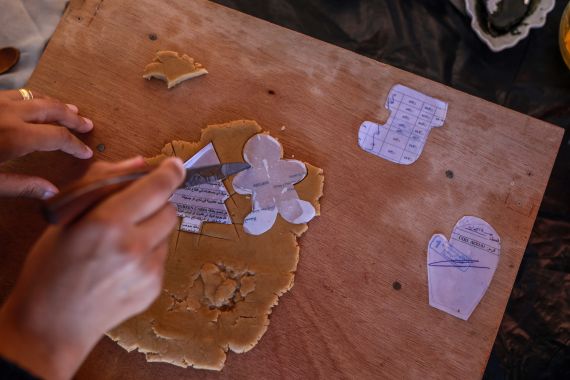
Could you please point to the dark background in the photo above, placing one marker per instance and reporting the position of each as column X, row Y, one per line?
column 434, row 39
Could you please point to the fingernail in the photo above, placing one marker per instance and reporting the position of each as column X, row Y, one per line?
column 73, row 108
column 178, row 163
column 89, row 151
column 48, row 194
column 88, row 122
column 137, row 160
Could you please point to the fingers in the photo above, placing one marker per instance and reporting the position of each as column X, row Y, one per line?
column 155, row 260
column 47, row 111
column 153, row 269
column 147, row 195
column 15, row 95
column 156, row 229
column 17, row 185
column 103, row 168
column 46, row 137
column 29, row 126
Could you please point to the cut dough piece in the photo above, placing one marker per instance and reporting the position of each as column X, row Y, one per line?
column 173, row 68
column 219, row 288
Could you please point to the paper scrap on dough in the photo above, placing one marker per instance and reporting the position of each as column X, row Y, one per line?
column 270, row 181
column 205, row 202
column 460, row 270
column 403, row 137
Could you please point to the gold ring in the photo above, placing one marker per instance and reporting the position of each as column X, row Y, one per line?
column 26, row 94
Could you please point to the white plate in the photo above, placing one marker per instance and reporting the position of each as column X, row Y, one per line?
column 534, row 20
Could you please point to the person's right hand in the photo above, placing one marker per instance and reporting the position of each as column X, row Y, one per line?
column 83, row 279
column 41, row 124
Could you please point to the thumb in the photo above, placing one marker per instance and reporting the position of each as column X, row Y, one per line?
column 23, row 186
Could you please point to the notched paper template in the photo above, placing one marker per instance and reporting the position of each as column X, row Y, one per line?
column 270, row 182
column 205, row 202
column 403, row 137
column 461, row 269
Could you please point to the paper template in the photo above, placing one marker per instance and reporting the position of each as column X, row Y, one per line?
column 270, row 182
column 205, row 202
column 461, row 269
column 403, row 137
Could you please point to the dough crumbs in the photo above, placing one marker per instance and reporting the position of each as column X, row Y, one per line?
column 220, row 286
column 173, row 68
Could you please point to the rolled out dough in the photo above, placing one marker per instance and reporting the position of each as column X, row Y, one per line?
column 219, row 286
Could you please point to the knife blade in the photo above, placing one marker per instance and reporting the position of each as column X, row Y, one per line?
column 69, row 204
column 212, row 174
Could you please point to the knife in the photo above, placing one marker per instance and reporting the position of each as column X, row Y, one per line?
column 69, row 204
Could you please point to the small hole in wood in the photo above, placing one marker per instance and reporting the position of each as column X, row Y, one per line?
column 271, row 92
column 449, row 174
column 152, row 37
column 396, row 285
column 101, row 147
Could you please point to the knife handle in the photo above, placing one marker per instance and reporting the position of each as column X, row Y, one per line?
column 79, row 198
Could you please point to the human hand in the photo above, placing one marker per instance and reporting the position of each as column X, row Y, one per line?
column 82, row 279
column 41, row 124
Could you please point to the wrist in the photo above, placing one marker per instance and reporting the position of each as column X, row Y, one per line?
column 38, row 348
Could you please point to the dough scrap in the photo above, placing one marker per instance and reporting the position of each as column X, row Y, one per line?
column 219, row 286
column 173, row 68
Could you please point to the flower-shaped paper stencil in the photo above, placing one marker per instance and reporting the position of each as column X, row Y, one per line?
column 461, row 269
column 270, row 182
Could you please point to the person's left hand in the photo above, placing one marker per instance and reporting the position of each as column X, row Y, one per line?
column 41, row 124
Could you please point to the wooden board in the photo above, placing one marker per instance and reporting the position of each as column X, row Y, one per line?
column 343, row 318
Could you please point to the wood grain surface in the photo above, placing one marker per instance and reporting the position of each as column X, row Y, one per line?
column 344, row 318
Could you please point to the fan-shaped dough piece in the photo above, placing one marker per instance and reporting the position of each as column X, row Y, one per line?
column 219, row 290
column 173, row 68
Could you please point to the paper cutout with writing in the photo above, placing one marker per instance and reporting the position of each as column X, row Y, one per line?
column 270, row 182
column 205, row 202
column 403, row 137
column 460, row 270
